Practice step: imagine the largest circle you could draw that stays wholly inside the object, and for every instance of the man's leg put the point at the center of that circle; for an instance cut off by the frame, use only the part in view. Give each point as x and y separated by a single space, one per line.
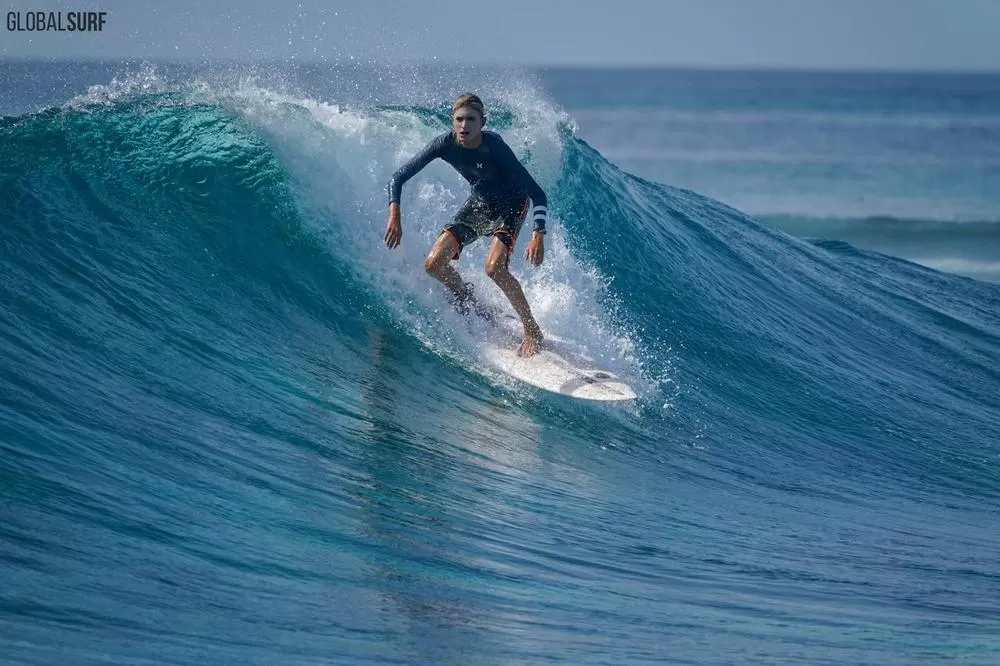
438 265
497 260
449 244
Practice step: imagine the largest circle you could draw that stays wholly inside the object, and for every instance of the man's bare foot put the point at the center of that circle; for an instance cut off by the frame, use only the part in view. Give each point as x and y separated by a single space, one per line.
532 340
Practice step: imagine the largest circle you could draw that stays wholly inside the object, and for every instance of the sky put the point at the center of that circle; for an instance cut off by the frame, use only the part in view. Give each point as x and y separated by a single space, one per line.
809 34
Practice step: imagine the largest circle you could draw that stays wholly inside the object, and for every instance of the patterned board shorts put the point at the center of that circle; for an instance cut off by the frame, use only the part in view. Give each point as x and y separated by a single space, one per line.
477 218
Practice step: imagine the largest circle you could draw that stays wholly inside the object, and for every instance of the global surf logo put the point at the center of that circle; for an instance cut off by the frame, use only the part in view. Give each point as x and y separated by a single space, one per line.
56 21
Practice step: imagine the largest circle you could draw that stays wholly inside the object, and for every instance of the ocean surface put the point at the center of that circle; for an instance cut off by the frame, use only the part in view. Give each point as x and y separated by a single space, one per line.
236 429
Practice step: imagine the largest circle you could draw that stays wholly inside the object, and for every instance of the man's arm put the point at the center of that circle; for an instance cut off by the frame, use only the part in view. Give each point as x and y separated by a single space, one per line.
394 227
430 152
527 183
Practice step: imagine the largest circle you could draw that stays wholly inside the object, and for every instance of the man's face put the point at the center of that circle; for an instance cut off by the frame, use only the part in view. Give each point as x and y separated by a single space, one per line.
468 126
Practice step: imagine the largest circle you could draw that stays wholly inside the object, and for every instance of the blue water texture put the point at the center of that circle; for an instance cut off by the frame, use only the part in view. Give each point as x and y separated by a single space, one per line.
236 429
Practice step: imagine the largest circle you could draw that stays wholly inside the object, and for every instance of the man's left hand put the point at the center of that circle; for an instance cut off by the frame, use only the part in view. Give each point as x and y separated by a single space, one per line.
535 252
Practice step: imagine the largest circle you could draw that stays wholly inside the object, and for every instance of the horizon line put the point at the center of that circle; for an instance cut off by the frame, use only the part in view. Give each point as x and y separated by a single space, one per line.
583 66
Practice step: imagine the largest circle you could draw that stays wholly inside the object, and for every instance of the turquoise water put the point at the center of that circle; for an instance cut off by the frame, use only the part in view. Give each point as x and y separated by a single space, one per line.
903 164
236 429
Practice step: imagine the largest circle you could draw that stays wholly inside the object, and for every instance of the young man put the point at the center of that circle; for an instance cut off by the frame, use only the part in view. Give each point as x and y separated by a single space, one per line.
497 206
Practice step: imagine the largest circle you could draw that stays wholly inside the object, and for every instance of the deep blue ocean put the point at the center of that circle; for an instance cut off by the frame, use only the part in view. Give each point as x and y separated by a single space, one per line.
236 429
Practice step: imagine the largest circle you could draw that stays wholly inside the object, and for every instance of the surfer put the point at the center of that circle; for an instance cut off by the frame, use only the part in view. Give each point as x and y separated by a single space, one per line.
497 206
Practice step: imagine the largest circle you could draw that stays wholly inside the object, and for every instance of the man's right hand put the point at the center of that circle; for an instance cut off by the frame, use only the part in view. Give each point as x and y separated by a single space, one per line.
394 229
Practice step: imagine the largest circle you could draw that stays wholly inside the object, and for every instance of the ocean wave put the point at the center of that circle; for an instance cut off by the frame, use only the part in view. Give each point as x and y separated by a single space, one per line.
235 426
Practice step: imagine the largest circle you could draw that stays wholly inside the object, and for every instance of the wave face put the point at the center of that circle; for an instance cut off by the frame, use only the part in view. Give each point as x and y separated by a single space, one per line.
898 163
235 428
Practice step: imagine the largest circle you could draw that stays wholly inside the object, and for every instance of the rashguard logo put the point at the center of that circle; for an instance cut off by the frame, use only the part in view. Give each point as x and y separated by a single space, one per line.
479 165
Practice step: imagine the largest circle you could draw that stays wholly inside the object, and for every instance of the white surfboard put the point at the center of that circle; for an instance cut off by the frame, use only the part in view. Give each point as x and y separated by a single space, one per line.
556 368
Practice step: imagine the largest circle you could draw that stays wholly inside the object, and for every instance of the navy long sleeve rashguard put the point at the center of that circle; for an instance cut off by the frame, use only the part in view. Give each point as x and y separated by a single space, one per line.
492 170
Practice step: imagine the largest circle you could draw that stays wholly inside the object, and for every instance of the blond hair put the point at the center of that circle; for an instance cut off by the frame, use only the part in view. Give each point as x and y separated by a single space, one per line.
469 100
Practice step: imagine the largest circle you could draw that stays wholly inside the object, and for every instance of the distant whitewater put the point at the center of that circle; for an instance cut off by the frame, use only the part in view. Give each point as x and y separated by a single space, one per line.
235 428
